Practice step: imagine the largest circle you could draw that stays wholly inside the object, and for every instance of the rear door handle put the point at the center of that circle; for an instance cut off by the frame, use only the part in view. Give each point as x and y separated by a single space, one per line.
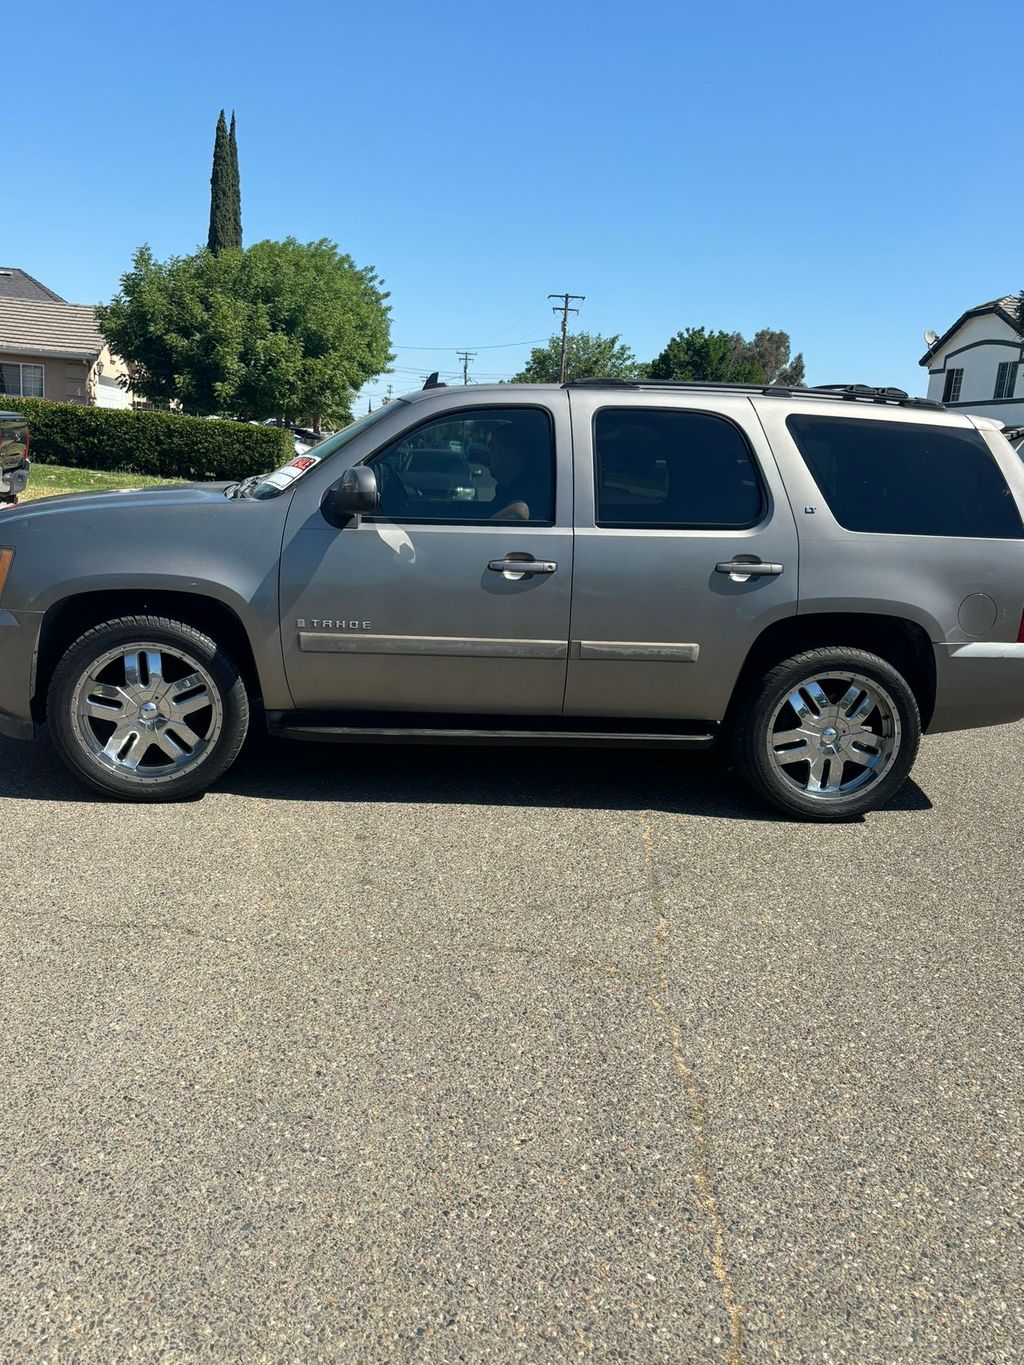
748 568
522 566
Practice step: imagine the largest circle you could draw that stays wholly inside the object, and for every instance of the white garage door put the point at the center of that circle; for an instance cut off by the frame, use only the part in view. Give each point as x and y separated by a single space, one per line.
109 394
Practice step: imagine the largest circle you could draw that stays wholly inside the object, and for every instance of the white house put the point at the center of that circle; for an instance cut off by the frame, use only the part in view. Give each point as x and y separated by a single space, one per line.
976 365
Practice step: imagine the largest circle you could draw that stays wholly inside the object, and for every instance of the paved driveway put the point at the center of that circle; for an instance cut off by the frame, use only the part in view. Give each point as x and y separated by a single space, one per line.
466 1055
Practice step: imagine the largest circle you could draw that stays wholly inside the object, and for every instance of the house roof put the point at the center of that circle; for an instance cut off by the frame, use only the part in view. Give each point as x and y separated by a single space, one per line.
1005 308
45 328
19 284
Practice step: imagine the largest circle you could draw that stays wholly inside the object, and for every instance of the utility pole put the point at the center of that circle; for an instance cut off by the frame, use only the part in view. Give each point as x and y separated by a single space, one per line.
466 357
565 310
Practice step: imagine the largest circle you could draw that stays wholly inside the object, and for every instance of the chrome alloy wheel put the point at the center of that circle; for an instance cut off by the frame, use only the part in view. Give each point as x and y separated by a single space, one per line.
147 712
833 734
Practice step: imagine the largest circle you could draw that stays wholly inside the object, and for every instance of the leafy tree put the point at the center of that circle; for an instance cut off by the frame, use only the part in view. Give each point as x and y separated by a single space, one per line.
770 352
225 209
699 354
1018 325
727 358
588 356
282 328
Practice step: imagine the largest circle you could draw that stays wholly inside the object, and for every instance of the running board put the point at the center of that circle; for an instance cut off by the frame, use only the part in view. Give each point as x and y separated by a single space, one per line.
354 727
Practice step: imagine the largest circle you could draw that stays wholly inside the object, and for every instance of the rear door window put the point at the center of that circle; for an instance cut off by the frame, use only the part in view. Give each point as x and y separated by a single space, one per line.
901 478
674 469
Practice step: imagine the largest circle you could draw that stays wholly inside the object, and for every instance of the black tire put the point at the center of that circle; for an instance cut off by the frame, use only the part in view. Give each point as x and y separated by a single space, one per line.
760 706
223 684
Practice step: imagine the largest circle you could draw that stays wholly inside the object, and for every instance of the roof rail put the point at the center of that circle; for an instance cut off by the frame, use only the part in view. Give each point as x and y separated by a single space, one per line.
842 391
875 395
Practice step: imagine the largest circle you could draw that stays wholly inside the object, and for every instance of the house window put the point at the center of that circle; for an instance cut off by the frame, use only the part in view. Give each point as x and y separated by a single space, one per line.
21 381
1006 378
951 393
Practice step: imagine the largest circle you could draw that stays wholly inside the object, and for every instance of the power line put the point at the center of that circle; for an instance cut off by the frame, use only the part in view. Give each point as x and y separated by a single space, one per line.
565 310
512 326
504 346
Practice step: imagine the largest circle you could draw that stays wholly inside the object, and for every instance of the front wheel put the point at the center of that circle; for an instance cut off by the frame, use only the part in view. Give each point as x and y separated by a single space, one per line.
146 708
828 734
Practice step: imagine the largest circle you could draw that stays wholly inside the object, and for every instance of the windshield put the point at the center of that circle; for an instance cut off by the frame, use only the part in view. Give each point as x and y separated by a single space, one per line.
269 485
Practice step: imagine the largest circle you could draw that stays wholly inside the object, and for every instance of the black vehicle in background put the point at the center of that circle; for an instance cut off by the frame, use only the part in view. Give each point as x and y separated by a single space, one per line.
14 464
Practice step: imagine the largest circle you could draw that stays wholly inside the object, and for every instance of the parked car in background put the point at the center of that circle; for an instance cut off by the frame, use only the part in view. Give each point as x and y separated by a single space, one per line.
1015 436
437 474
303 438
14 463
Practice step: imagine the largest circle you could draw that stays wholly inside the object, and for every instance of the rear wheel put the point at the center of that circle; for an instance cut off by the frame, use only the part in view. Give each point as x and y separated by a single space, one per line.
146 708
828 734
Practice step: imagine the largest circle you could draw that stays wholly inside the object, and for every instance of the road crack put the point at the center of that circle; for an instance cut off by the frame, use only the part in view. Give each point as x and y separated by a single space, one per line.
700 1172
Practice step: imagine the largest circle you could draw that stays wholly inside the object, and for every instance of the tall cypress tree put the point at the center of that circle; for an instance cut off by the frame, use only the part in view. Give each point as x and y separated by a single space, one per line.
220 191
236 187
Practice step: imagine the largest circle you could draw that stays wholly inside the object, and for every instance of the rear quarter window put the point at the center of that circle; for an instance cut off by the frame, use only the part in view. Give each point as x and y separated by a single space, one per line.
901 478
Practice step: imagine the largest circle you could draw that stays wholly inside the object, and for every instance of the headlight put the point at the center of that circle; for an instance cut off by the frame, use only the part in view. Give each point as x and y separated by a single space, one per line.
6 560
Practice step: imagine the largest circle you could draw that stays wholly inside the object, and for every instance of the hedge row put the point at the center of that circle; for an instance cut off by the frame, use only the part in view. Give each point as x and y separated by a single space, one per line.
158 443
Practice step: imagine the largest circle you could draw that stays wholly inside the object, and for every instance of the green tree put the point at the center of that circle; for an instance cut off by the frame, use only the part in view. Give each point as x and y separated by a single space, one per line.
225 210
770 352
587 356
696 354
728 358
282 328
235 201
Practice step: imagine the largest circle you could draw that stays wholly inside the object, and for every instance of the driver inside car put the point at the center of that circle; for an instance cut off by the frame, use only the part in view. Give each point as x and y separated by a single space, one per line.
522 476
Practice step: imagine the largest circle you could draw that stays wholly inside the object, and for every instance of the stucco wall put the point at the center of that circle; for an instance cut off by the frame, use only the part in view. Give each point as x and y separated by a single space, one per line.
978 348
72 381
64 381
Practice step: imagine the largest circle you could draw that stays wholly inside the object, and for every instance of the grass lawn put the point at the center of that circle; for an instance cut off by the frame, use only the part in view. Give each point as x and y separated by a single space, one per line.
46 480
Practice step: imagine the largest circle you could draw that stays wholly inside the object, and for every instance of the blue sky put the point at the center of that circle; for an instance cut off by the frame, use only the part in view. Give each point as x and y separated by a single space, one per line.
852 174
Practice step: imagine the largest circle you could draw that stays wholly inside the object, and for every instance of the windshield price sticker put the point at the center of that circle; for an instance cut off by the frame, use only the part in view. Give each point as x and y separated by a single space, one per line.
294 469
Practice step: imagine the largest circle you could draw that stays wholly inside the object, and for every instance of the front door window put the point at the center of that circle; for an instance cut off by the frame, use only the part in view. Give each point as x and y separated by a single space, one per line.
485 464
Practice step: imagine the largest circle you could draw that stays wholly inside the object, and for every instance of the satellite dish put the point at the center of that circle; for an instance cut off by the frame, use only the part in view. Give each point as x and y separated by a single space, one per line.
931 337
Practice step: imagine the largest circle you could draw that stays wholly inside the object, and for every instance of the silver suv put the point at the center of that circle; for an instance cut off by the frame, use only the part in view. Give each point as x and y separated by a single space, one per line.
812 576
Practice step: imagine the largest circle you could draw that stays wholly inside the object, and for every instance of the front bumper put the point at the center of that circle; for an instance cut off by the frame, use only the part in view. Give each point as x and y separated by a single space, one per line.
19 638
976 685
14 481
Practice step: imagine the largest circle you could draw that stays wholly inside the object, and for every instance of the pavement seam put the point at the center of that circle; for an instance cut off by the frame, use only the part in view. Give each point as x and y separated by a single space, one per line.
700 1167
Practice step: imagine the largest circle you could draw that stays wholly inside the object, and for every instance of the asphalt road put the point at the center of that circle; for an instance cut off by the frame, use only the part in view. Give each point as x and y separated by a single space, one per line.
491 1056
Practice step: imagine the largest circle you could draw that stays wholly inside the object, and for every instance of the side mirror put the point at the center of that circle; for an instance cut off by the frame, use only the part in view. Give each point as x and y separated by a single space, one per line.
355 493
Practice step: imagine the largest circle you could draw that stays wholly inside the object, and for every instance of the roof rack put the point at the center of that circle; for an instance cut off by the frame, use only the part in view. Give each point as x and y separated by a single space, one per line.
864 392
873 395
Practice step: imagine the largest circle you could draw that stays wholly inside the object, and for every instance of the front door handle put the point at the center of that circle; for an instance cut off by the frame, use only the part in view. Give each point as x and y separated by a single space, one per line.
522 566
748 568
